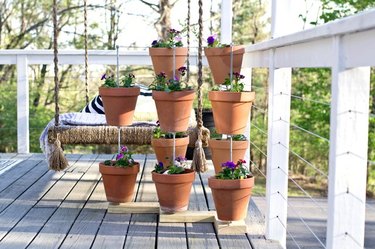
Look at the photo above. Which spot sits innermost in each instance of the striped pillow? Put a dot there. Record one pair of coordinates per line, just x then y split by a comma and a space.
96, 104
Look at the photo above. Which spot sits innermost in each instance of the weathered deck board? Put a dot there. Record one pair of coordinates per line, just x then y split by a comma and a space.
58, 225
68, 209
142, 227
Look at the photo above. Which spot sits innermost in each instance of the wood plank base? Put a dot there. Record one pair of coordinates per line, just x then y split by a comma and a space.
230, 227
222, 227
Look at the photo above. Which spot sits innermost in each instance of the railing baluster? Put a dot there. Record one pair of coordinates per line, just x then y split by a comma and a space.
23, 140
348, 153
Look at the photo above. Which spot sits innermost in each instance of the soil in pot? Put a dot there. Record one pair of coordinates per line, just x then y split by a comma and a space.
119, 182
174, 190
231, 197
163, 148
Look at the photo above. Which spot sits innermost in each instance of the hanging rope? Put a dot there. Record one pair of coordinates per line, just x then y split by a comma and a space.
199, 159
86, 53
188, 44
57, 160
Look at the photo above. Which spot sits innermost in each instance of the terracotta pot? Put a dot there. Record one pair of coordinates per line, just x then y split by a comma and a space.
119, 104
231, 110
219, 61
231, 197
173, 190
119, 182
162, 60
220, 151
174, 109
163, 148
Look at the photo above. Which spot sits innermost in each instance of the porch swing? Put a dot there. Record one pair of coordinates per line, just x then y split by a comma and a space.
79, 131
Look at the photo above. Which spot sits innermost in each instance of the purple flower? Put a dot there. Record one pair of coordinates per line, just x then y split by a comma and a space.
154, 43
161, 165
119, 156
211, 39
104, 76
180, 159
124, 148
178, 38
229, 165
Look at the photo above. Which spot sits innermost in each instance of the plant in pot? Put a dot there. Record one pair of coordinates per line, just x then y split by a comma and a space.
174, 100
162, 143
162, 51
119, 100
119, 176
173, 185
219, 58
231, 105
220, 149
231, 190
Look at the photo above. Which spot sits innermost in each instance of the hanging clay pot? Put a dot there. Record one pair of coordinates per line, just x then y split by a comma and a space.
174, 109
119, 104
174, 190
219, 61
220, 151
231, 110
163, 148
231, 197
162, 60
119, 182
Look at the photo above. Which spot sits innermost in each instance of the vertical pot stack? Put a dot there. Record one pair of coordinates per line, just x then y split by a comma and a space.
231, 111
174, 110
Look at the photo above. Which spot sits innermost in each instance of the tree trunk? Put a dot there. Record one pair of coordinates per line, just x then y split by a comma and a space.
163, 24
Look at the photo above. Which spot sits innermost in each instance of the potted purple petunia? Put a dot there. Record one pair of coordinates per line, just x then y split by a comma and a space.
173, 185
119, 100
119, 176
218, 57
174, 101
162, 51
231, 105
231, 190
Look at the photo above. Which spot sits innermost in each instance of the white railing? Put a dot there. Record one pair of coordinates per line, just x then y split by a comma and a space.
346, 46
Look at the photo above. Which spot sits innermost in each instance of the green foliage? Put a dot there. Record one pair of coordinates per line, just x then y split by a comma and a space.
158, 133
233, 84
123, 159
173, 40
179, 166
335, 9
161, 83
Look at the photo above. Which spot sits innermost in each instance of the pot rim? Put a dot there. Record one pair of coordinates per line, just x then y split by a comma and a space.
224, 96
112, 170
174, 178
225, 144
230, 184
119, 91
174, 96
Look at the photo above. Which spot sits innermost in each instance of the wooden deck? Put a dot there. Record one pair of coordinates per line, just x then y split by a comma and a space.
45, 209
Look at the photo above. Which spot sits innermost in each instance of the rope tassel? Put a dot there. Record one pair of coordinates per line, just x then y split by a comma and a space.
57, 160
199, 159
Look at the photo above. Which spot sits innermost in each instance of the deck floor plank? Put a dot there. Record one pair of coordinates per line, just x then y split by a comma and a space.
142, 229
14, 214
58, 225
84, 229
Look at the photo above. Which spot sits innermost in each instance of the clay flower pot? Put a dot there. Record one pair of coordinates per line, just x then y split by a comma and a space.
231, 197
163, 148
162, 59
119, 104
219, 61
119, 182
220, 151
173, 190
174, 109
231, 110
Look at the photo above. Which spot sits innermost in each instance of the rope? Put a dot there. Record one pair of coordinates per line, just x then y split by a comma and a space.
188, 44
200, 81
55, 60
86, 54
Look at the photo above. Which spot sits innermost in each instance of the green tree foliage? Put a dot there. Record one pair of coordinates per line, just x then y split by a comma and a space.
335, 9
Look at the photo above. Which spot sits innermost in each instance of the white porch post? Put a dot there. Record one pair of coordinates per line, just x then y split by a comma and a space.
279, 91
226, 21
22, 105
348, 153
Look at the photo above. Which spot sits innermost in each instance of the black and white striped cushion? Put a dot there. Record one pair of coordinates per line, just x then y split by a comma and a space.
96, 104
